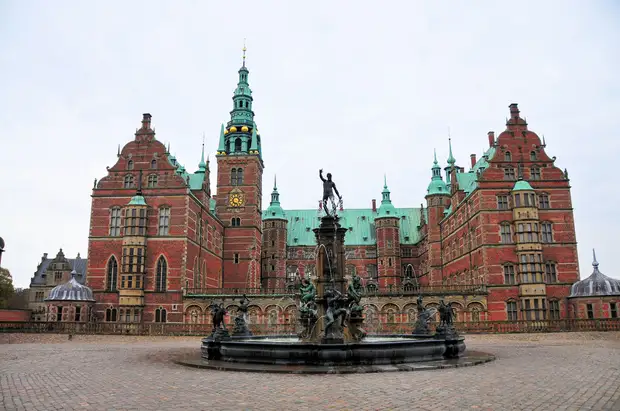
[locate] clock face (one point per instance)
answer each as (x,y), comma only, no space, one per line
(236,199)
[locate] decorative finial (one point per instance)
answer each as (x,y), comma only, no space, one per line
(435,153)
(544,142)
(594,262)
(275,185)
(384,180)
(168,149)
(202,157)
(244,50)
(118,152)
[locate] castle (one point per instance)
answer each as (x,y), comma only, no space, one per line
(496,240)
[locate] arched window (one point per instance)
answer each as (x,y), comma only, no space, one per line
(161,274)
(237,144)
(532,155)
(153,164)
(151,181)
(130,165)
(507,156)
(128,183)
(197,275)
(110,314)
(235,222)
(409,271)
(160,315)
(236,176)
(239,176)
(112,274)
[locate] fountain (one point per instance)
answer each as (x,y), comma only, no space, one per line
(331,336)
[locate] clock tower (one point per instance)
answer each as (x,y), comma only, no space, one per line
(239,190)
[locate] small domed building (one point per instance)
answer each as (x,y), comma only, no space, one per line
(598,296)
(70,302)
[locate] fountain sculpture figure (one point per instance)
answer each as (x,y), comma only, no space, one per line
(241,324)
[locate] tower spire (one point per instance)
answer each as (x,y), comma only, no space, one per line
(594,262)
(451,159)
(244,50)
(221,148)
(202,165)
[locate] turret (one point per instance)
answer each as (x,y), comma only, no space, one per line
(133,268)
(273,267)
(388,240)
(437,199)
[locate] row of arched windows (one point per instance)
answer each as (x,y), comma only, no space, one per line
(508,156)
(161,275)
(130,164)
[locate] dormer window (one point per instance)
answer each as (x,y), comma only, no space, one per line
(507,156)
(532,156)
(130,165)
(153,164)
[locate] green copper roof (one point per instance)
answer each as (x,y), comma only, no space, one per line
(274,211)
(137,200)
(522,185)
(212,205)
(436,186)
(359,222)
(483,162)
(386,209)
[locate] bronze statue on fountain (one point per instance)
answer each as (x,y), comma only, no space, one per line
(241,326)
(329,187)
(220,332)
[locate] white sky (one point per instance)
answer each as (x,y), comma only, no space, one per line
(359,88)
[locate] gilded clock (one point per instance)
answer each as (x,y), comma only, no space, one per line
(236,199)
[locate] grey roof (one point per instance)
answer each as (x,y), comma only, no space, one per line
(71,291)
(597,284)
(77,264)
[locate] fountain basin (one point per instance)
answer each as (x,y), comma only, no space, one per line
(286,350)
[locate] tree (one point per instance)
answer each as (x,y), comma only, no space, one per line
(6,287)
(19,299)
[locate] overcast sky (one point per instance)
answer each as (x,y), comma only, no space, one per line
(359,88)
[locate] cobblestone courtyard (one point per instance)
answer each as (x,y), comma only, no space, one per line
(572,371)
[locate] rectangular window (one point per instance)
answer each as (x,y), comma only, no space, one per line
(502,202)
(115,222)
(407,252)
(511,310)
(590,311)
(506,234)
(547,233)
(613,310)
(58,276)
(535,173)
(164,221)
(550,273)
(77,313)
(142,223)
(509,274)
(527,309)
(39,296)
(543,201)
(371,269)
(130,281)
(59,313)
(517,200)
(236,258)
(509,173)
(128,316)
(554,310)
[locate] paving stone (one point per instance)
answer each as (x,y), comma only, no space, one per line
(569,371)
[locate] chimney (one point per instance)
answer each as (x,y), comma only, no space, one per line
(514,111)
(374,205)
(44,256)
(491,135)
(146,121)
(473,160)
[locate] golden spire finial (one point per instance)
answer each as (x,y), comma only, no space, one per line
(244,50)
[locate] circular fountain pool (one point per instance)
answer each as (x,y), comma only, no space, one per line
(288,350)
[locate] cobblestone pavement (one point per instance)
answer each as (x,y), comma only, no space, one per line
(572,371)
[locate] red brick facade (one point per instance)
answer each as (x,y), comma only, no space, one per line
(476,233)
